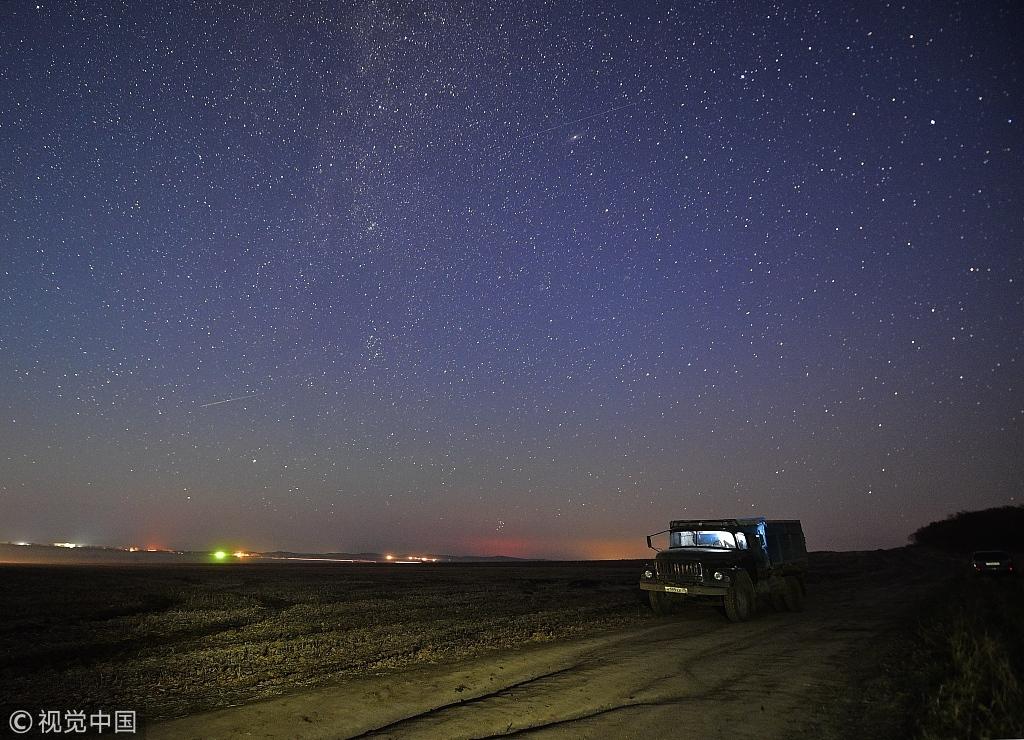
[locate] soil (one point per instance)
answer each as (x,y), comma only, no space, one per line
(780,674)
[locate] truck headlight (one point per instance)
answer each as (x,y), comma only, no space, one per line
(648,574)
(719,575)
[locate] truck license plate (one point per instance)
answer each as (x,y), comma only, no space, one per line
(675,589)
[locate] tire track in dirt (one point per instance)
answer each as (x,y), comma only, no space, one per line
(463,702)
(777,663)
(645,673)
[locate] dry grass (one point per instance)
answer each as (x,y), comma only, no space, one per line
(972,650)
(954,670)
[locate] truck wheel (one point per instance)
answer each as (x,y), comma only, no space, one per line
(739,599)
(659,602)
(778,600)
(794,595)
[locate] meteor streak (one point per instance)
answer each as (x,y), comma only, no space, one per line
(579,120)
(227,400)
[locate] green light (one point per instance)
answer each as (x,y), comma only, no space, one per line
(220,554)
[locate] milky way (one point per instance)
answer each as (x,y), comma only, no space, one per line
(508,278)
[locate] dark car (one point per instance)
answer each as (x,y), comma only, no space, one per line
(992,562)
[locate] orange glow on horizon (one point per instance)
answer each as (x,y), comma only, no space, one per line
(631,548)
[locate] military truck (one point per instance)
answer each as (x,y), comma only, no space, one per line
(732,563)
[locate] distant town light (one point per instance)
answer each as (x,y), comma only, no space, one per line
(65,544)
(220,555)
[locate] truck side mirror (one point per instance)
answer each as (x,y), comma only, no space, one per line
(654,535)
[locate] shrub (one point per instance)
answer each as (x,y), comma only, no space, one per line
(1001,528)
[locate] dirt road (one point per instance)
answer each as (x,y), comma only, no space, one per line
(778,675)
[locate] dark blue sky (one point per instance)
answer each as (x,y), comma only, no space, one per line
(506,278)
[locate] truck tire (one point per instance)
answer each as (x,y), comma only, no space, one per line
(778,598)
(739,599)
(659,602)
(794,595)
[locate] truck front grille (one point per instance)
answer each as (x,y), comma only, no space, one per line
(686,571)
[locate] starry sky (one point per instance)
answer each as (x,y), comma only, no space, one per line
(519,278)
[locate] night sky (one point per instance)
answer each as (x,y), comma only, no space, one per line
(521,278)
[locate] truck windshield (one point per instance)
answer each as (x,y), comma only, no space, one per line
(709,538)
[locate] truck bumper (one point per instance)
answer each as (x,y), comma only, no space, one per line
(690,589)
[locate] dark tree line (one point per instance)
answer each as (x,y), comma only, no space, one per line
(1001,528)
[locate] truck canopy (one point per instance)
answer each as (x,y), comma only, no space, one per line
(785,541)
